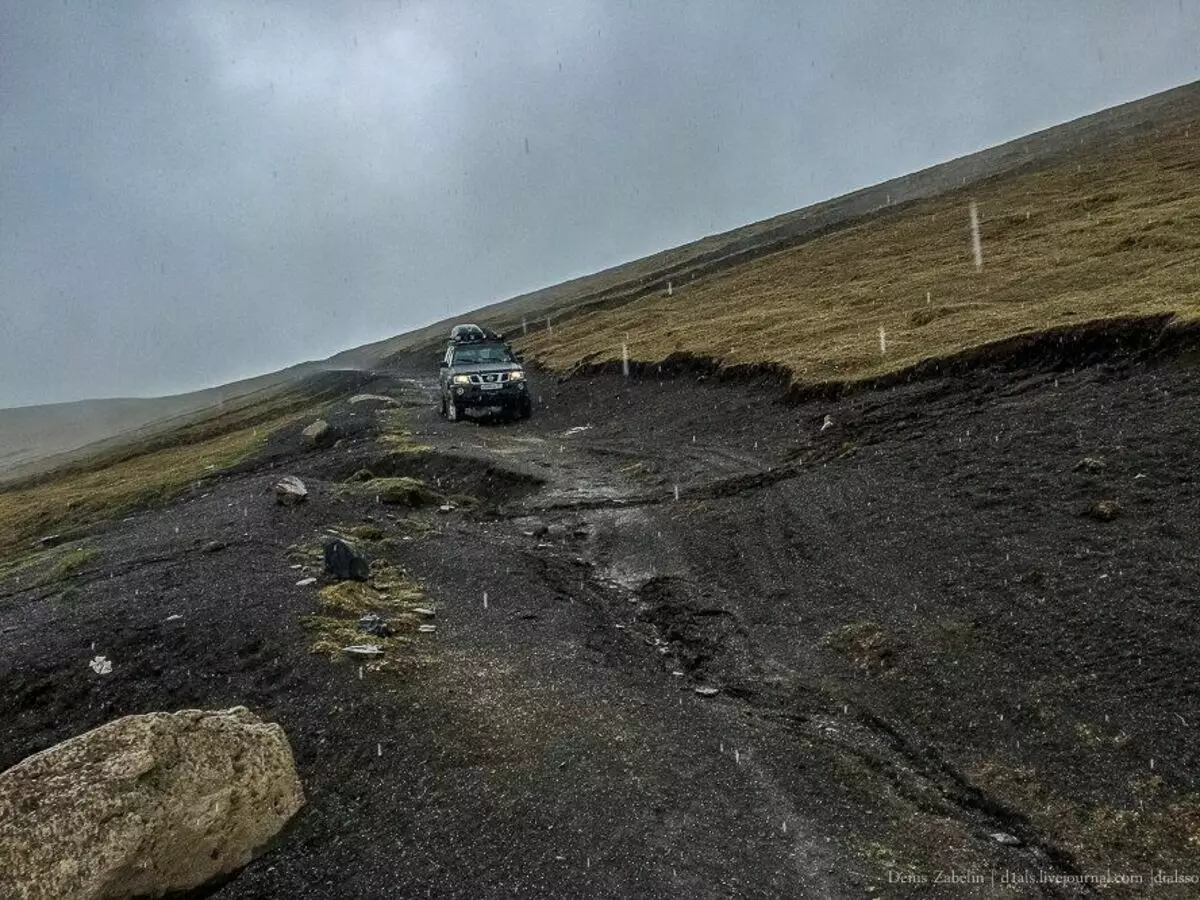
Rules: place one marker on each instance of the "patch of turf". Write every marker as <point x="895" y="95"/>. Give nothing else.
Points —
<point x="865" y="643"/>
<point x="390" y="593"/>
<point x="399" y="491"/>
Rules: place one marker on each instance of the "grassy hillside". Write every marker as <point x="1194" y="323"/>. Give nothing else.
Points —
<point x="1112" y="233"/>
<point x="144" y="472"/>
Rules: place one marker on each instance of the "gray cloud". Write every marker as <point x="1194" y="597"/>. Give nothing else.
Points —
<point x="195" y="192"/>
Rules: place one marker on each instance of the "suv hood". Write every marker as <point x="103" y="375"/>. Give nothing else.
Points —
<point x="480" y="368"/>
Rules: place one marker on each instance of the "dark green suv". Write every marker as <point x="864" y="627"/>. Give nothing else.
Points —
<point x="481" y="375"/>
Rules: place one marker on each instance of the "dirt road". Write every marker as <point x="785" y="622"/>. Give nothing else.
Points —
<point x="926" y="657"/>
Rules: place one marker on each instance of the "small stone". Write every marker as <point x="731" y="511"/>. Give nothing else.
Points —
<point x="708" y="691"/>
<point x="1008" y="840"/>
<point x="423" y="611"/>
<point x="1104" y="510"/>
<point x="174" y="618"/>
<point x="318" y="434"/>
<point x="447" y="507"/>
<point x="363" y="651"/>
<point x="305" y="582"/>
<point x="373" y="623"/>
<point x="426" y="629"/>
<point x="101" y="665"/>
<point x="1091" y="465"/>
<point x="373" y="398"/>
<point x="290" y="490"/>
<point x="213" y="547"/>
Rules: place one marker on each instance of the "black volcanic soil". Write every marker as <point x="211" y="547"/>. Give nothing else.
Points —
<point x="920" y="638"/>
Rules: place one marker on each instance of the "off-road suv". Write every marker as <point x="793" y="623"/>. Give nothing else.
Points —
<point x="481" y="374"/>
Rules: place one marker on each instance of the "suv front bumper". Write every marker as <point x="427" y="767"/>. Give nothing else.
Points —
<point x="476" y="395"/>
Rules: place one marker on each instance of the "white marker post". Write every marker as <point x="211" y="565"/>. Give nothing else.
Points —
<point x="976" y="243"/>
<point x="625" y="358"/>
<point x="882" y="341"/>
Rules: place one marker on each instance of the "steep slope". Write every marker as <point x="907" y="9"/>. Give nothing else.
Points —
<point x="1111" y="233"/>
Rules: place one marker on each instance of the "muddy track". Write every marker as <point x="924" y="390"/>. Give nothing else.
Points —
<point x="871" y="634"/>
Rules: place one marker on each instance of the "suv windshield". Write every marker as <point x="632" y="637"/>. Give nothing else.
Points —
<point x="465" y="356"/>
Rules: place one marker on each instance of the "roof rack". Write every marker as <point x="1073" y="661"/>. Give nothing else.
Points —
<point x="472" y="334"/>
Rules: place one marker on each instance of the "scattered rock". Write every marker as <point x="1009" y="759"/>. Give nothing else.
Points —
<point x="1008" y="840"/>
<point x="362" y="475"/>
<point x="213" y="547"/>
<point x="556" y="532"/>
<point x="305" y="582"/>
<point x="373" y="398"/>
<point x="174" y="618"/>
<point x="50" y="540"/>
<point x="426" y="629"/>
<point x="1091" y="465"/>
<point x="319" y="434"/>
<point x="423" y="611"/>
<point x="1104" y="510"/>
<point x="144" y="806"/>
<point x="290" y="490"/>
<point x="708" y="691"/>
<point x="827" y="423"/>
<point x="343" y="560"/>
<point x="363" y="651"/>
<point x="447" y="508"/>
<point x="101" y="665"/>
<point x="373" y="623"/>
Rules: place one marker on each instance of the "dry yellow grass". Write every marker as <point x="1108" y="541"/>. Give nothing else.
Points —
<point x="1100" y="237"/>
<point x="110" y="486"/>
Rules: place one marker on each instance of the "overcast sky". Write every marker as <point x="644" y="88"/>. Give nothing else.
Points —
<point x="194" y="192"/>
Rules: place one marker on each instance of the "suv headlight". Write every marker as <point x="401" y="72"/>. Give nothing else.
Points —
<point x="461" y="379"/>
<point x="516" y="376"/>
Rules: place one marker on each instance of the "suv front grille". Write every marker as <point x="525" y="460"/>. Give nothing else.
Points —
<point x="490" y="378"/>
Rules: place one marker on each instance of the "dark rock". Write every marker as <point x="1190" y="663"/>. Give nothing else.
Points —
<point x="373" y="623"/>
<point x="1091" y="465"/>
<point x="362" y="475"/>
<point x="344" y="561"/>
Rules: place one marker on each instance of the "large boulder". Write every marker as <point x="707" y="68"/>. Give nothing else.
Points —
<point x="145" y="805"/>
